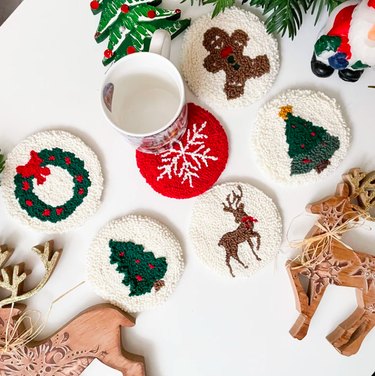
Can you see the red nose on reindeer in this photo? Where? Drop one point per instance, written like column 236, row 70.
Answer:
column 34, row 169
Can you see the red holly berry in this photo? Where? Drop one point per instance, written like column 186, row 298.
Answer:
column 138, row 278
column 59, row 211
column 52, row 158
column 94, row 4
column 79, row 178
column 151, row 14
column 108, row 53
column 302, row 146
column 124, row 8
column 130, row 50
column 293, row 126
column 25, row 185
column 68, row 161
column 151, row 266
column 137, row 261
column 306, row 161
column 29, row 203
column 46, row 213
column 313, row 134
column 121, row 254
column 177, row 11
column 81, row 191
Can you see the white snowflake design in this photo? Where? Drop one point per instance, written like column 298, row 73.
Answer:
column 184, row 161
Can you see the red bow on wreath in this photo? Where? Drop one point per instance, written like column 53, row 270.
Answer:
column 247, row 220
column 33, row 168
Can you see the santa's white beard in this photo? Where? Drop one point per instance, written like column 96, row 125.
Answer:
column 362, row 47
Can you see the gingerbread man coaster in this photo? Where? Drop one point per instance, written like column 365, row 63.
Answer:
column 52, row 181
column 135, row 263
column 235, row 229
column 229, row 60
column 300, row 137
column 193, row 163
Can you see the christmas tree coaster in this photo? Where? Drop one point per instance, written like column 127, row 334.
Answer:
column 194, row 163
column 52, row 181
column 135, row 262
column 130, row 24
column 235, row 229
column 300, row 136
column 229, row 60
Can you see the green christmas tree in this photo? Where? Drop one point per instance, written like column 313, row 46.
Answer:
column 310, row 147
column 142, row 270
column 130, row 24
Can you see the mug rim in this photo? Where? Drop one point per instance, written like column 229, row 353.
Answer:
column 182, row 94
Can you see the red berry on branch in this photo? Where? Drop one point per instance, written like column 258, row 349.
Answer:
column 46, row 213
column 177, row 11
column 138, row 278
column 79, row 178
column 124, row 8
column 131, row 50
column 313, row 134
column 59, row 211
column 151, row 14
column 51, row 158
column 94, row 4
column 25, row 185
column 68, row 161
column 81, row 191
column 302, row 146
column 108, row 53
column 121, row 254
column 137, row 261
column 29, row 203
column 151, row 266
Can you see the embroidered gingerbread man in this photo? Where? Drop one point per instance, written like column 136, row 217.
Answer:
column 226, row 53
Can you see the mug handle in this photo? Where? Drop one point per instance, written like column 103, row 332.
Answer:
column 161, row 43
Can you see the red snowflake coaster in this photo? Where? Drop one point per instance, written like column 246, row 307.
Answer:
column 194, row 163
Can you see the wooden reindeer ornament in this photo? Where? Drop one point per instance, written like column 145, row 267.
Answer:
column 93, row 334
column 326, row 260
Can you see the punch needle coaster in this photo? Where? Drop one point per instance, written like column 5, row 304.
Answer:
column 300, row 137
column 229, row 60
column 52, row 181
column 135, row 263
column 235, row 229
column 194, row 163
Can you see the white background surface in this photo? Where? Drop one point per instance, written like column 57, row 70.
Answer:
column 50, row 75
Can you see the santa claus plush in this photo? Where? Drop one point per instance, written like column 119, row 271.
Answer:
column 347, row 42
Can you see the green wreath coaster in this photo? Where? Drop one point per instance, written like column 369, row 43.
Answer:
column 52, row 187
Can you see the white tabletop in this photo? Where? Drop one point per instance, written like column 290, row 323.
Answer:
column 50, row 75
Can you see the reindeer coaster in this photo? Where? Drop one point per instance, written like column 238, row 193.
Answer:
column 230, row 60
column 135, row 262
column 194, row 163
column 300, row 137
column 235, row 229
column 52, row 181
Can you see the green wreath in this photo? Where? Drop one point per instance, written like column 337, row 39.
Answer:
column 36, row 170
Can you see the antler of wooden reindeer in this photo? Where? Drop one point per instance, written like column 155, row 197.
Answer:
column 13, row 276
column 362, row 189
column 234, row 203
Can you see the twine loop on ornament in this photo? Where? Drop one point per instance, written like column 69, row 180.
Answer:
column 313, row 247
column 24, row 329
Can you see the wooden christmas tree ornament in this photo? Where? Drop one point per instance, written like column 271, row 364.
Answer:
column 326, row 260
column 93, row 334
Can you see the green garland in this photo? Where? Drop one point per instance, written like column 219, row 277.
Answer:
column 2, row 162
column 281, row 15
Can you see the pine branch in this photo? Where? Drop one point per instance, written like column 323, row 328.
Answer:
column 2, row 162
column 282, row 16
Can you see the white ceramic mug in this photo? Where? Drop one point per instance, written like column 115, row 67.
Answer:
column 143, row 97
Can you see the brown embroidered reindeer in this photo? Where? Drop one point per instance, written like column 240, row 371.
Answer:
column 93, row 334
column 338, row 264
column 243, row 233
column 226, row 53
